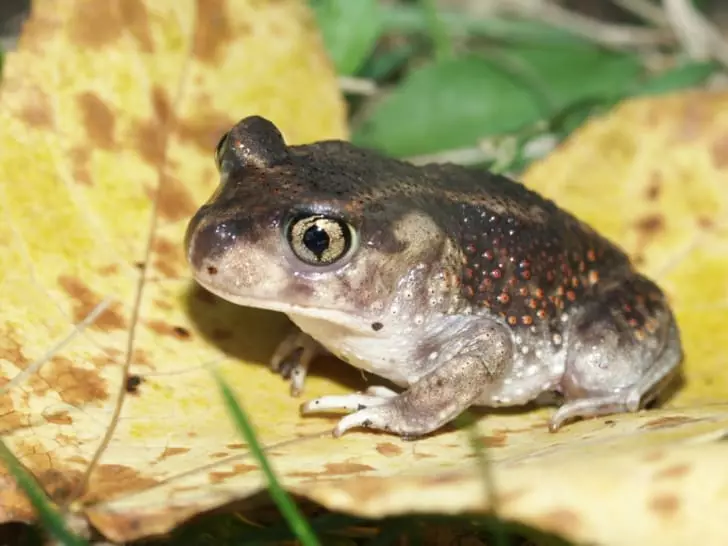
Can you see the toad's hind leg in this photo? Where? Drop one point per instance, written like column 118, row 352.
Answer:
column 623, row 349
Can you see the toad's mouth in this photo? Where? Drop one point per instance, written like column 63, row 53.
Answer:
column 336, row 316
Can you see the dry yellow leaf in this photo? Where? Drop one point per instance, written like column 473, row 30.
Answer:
column 108, row 116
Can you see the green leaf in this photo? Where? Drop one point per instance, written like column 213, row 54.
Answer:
column 454, row 103
column 687, row 75
column 350, row 29
column 296, row 521
column 568, row 75
column 449, row 104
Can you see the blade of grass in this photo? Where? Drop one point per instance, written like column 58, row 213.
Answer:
column 50, row 517
column 439, row 33
column 285, row 504
column 500, row 534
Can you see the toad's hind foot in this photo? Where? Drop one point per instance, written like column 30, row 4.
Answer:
column 293, row 356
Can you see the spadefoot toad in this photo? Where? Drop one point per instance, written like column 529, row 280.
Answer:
column 462, row 287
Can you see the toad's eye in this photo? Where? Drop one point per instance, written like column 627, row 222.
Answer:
column 317, row 239
column 220, row 149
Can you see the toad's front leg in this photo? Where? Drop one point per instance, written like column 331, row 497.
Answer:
column 435, row 399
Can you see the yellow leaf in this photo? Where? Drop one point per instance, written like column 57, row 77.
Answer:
column 108, row 117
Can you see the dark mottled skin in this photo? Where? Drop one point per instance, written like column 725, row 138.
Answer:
column 534, row 286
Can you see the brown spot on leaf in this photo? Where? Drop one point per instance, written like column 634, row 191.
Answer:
column 79, row 166
column 674, row 471
column 175, row 201
column 236, row 446
column 85, row 301
column 151, row 142
column 561, row 521
column 11, row 348
column 495, row 440
column 705, row 222
column 651, row 225
column 216, row 477
column 115, row 479
column 719, row 152
column 218, row 455
column 59, row 418
column 75, row 385
column 664, row 505
column 140, row 357
column 95, row 24
column 111, row 269
column 136, row 19
column 33, row 455
column 172, row 451
column 339, row 469
column 510, row 496
column 169, row 257
column 388, row 449
column 102, row 360
column 10, row 418
column 212, row 32
column 654, row 188
column 98, row 120
column 162, row 304
column 653, row 456
column 205, row 131
column 69, row 440
column 161, row 105
column 164, row 329
column 36, row 108
column 668, row 422
column 59, row 484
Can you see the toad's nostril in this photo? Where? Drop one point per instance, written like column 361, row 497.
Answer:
column 210, row 242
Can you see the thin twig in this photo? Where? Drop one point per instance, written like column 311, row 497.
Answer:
column 611, row 35
column 357, row 86
column 56, row 348
column 700, row 38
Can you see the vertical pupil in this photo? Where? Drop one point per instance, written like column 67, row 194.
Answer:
column 316, row 240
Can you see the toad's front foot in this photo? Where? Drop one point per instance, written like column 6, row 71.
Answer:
column 293, row 356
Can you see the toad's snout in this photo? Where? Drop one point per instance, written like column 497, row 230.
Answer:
column 207, row 242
